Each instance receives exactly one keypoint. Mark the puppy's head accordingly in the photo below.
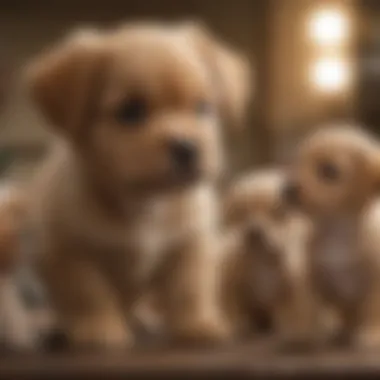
(143, 104)
(256, 207)
(336, 171)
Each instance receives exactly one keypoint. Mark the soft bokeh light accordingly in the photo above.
(329, 26)
(330, 75)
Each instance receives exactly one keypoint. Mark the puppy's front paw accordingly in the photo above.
(202, 332)
(100, 333)
(368, 338)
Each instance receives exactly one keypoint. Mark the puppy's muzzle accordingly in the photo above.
(184, 155)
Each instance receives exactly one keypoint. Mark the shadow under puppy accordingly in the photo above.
(335, 179)
(265, 261)
(139, 111)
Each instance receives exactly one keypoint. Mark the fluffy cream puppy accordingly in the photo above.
(265, 262)
(17, 328)
(128, 192)
(335, 179)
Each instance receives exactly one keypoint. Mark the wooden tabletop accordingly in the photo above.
(256, 361)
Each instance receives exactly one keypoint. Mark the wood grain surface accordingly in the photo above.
(249, 360)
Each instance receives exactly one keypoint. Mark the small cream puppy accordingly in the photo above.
(335, 179)
(16, 324)
(265, 259)
(127, 195)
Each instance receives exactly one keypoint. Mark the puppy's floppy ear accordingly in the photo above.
(231, 71)
(61, 80)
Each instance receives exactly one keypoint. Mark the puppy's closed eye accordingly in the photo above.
(132, 112)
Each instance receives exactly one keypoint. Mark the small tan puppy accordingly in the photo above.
(336, 180)
(16, 326)
(139, 111)
(265, 262)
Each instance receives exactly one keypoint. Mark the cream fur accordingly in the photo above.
(114, 222)
(269, 275)
(343, 204)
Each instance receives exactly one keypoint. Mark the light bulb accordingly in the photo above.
(330, 75)
(329, 27)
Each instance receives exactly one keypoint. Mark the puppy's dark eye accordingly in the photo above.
(327, 171)
(203, 108)
(133, 111)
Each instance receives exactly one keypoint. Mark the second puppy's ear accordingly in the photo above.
(61, 81)
(231, 73)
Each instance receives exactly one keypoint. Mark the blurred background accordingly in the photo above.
(314, 61)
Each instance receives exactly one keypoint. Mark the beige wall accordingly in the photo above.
(293, 102)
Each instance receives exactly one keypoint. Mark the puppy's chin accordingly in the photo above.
(165, 184)
(304, 206)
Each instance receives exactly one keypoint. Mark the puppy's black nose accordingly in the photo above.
(184, 153)
(290, 193)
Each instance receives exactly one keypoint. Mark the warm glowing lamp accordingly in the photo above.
(329, 26)
(330, 75)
